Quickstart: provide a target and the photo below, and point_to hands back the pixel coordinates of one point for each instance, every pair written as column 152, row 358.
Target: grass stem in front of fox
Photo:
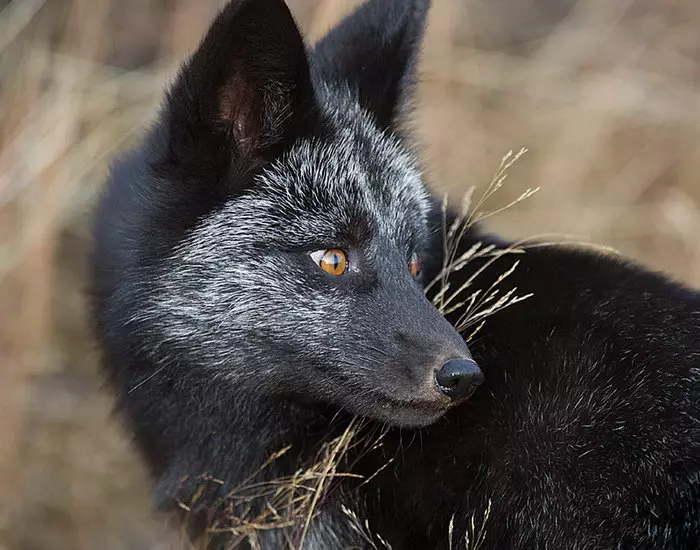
column 480, row 303
column 286, row 502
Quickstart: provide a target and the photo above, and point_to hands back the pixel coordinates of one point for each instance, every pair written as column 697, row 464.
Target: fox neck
column 206, row 438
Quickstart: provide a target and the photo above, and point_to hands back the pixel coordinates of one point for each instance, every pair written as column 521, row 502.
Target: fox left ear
column 375, row 51
column 245, row 91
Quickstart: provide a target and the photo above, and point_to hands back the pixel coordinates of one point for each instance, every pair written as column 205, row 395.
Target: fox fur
column 225, row 342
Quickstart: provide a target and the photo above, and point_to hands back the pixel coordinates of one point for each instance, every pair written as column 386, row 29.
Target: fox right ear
column 374, row 51
column 243, row 92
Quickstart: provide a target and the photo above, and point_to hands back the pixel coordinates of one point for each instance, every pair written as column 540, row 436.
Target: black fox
column 258, row 277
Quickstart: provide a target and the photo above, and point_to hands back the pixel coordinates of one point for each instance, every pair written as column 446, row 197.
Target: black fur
column 586, row 434
column 245, row 99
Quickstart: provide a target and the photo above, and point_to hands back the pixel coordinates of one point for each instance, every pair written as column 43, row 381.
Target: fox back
column 586, row 432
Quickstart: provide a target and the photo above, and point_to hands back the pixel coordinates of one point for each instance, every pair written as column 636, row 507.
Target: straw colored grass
column 475, row 303
column 288, row 504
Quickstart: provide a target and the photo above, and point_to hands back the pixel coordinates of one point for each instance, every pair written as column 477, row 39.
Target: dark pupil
column 335, row 260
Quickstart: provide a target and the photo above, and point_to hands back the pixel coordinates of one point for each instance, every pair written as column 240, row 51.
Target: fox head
column 271, row 230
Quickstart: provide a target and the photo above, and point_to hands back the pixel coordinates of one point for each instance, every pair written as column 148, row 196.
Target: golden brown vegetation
column 604, row 94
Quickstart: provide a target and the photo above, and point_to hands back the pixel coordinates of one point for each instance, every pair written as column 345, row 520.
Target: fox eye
column 333, row 261
column 414, row 265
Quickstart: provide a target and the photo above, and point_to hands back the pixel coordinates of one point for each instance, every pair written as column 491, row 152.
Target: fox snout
column 459, row 378
column 428, row 366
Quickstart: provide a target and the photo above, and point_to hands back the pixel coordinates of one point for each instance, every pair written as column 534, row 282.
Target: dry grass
column 479, row 303
column 287, row 504
column 604, row 94
column 475, row 535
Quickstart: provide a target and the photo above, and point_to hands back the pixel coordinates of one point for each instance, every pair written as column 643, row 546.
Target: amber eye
column 333, row 261
column 414, row 265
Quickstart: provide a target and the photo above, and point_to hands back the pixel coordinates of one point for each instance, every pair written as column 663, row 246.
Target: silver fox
column 258, row 259
column 258, row 279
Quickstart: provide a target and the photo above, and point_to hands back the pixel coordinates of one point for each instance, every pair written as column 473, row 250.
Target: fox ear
column 375, row 51
column 245, row 89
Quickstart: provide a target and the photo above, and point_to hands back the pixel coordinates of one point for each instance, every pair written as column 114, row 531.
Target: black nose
column 458, row 378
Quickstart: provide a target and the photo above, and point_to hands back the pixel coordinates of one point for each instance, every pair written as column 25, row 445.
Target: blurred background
column 604, row 94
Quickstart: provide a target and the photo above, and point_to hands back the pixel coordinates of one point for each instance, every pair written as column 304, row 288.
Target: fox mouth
column 437, row 405
column 410, row 413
